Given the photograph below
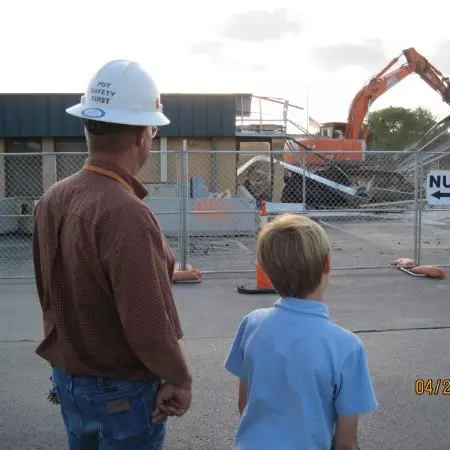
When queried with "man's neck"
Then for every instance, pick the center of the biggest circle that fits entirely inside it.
(120, 160)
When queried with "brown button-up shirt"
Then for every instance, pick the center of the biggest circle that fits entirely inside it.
(104, 277)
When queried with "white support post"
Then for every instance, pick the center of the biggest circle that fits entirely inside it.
(163, 158)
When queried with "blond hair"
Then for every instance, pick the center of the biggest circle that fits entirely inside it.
(292, 251)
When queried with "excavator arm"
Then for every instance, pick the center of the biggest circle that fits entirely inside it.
(428, 73)
(384, 80)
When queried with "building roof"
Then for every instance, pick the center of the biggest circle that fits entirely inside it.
(191, 115)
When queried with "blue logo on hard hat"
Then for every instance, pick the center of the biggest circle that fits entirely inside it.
(93, 113)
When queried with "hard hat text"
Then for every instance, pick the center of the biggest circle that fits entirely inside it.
(104, 92)
(103, 84)
(98, 99)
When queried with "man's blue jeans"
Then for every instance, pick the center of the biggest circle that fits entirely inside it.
(102, 414)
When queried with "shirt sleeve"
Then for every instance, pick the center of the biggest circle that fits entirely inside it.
(234, 362)
(355, 393)
(139, 272)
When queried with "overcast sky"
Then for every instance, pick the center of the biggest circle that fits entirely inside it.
(270, 48)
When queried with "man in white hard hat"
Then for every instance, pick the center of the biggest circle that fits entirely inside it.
(104, 272)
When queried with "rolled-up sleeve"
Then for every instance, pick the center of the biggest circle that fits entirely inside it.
(142, 287)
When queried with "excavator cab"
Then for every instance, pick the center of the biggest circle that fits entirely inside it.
(333, 130)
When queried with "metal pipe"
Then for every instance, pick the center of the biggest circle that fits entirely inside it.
(304, 181)
(419, 217)
(416, 207)
(184, 208)
(214, 166)
(260, 115)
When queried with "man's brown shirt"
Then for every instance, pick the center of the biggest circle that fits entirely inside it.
(104, 277)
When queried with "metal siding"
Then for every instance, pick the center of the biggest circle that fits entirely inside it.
(200, 116)
(9, 125)
(170, 109)
(214, 114)
(62, 124)
(191, 115)
(187, 116)
(228, 112)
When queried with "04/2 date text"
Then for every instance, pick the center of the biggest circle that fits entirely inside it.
(432, 386)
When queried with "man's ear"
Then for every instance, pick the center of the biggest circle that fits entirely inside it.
(327, 265)
(140, 136)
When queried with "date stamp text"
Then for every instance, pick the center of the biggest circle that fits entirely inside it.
(432, 386)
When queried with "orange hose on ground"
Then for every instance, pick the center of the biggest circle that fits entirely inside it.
(427, 271)
(430, 271)
(191, 274)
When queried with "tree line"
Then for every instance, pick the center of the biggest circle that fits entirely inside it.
(396, 128)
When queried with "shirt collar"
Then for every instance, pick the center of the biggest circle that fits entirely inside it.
(297, 305)
(139, 189)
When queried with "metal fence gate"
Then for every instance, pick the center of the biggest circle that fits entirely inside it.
(208, 203)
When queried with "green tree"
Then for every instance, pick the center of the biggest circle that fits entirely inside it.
(396, 128)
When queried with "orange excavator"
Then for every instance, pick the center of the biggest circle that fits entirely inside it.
(351, 136)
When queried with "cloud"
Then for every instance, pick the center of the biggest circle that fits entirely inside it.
(257, 68)
(210, 50)
(259, 26)
(206, 48)
(217, 52)
(368, 55)
(441, 58)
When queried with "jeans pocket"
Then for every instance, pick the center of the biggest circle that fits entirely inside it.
(125, 418)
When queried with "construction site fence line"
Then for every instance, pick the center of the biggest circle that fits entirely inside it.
(207, 203)
(261, 151)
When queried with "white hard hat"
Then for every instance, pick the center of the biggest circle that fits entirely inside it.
(121, 92)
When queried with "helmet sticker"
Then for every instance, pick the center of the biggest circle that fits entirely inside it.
(103, 92)
(93, 113)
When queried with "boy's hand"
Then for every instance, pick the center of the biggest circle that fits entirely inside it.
(171, 401)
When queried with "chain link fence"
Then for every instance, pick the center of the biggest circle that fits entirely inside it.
(208, 202)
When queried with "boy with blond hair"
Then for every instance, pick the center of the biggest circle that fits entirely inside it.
(303, 380)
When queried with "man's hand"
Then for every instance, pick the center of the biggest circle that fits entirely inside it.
(171, 400)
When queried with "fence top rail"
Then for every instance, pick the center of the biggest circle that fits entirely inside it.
(156, 152)
(248, 152)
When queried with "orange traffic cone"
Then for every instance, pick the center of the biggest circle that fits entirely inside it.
(263, 283)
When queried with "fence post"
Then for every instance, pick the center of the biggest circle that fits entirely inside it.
(184, 196)
(416, 207)
(304, 180)
(419, 215)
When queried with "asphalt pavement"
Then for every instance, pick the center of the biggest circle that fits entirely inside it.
(403, 321)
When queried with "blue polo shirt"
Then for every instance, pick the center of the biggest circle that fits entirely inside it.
(301, 370)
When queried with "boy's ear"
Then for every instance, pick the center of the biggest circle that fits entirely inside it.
(327, 265)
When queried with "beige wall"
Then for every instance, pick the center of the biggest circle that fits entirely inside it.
(226, 165)
(49, 173)
(2, 170)
(200, 162)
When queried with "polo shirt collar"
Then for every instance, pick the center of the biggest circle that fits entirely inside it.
(138, 188)
(310, 307)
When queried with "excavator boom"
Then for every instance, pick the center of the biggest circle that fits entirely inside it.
(349, 139)
(385, 80)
